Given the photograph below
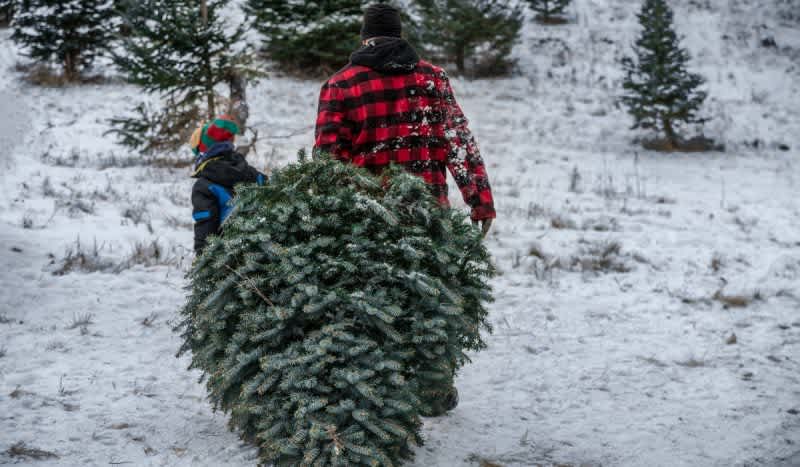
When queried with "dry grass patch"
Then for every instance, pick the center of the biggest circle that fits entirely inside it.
(560, 222)
(150, 254)
(691, 363)
(695, 144)
(734, 301)
(81, 320)
(600, 256)
(47, 76)
(21, 450)
(80, 259)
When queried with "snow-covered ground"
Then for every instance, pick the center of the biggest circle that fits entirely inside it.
(625, 273)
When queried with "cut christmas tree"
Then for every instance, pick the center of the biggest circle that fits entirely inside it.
(333, 309)
(659, 91)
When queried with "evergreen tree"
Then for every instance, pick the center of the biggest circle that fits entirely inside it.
(333, 302)
(181, 50)
(479, 31)
(660, 92)
(318, 35)
(69, 32)
(548, 11)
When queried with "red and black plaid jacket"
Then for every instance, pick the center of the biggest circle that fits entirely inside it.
(372, 119)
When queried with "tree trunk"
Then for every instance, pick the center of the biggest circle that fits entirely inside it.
(71, 60)
(237, 104)
(211, 108)
(212, 111)
(672, 139)
(460, 58)
(240, 110)
(204, 11)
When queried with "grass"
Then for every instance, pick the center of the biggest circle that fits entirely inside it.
(150, 254)
(733, 301)
(692, 363)
(149, 320)
(601, 256)
(80, 320)
(51, 77)
(137, 213)
(21, 450)
(79, 259)
(560, 222)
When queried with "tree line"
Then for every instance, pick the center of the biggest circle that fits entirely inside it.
(185, 49)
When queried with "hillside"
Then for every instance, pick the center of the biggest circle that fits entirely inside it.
(624, 276)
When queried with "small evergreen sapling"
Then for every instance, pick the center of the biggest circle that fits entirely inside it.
(70, 33)
(478, 32)
(659, 91)
(308, 36)
(549, 11)
(181, 50)
(331, 307)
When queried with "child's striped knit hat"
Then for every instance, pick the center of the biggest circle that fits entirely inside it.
(219, 130)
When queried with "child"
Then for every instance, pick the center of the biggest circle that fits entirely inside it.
(217, 168)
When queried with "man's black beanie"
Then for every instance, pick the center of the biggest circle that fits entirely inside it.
(381, 20)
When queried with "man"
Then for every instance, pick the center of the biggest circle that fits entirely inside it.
(388, 106)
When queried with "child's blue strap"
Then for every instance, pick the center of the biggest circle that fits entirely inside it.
(260, 179)
(223, 201)
(201, 215)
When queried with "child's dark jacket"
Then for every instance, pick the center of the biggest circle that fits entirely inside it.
(217, 172)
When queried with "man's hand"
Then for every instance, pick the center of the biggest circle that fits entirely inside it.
(485, 225)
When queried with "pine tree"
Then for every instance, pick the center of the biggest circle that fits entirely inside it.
(71, 33)
(479, 31)
(318, 35)
(333, 302)
(660, 92)
(548, 11)
(181, 50)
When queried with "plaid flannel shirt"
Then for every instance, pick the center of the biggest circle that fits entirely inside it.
(371, 120)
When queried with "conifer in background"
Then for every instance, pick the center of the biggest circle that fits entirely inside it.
(477, 32)
(307, 36)
(659, 91)
(180, 50)
(549, 11)
(70, 33)
(331, 304)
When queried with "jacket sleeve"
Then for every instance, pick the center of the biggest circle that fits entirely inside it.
(205, 213)
(333, 134)
(464, 158)
(254, 176)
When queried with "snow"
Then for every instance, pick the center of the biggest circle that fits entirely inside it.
(587, 366)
